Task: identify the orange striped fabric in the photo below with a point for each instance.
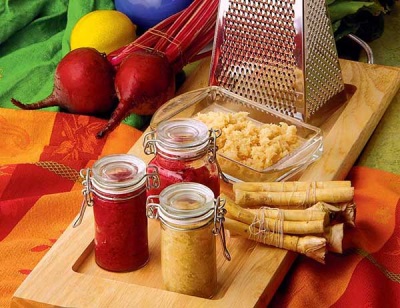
(41, 154)
(368, 273)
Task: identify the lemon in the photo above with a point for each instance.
(105, 30)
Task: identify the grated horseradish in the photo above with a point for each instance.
(256, 146)
(188, 261)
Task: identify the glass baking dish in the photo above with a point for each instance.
(218, 99)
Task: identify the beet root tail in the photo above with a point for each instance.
(119, 114)
(49, 101)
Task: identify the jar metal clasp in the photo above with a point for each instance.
(212, 143)
(152, 207)
(87, 195)
(219, 230)
(152, 177)
(149, 143)
(213, 148)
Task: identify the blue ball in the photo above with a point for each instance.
(147, 13)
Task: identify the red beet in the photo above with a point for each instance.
(83, 84)
(146, 68)
(143, 82)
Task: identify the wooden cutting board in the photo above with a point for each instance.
(67, 276)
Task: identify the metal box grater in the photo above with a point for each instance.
(279, 53)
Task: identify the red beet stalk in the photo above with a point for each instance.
(147, 40)
(191, 31)
(174, 35)
(178, 24)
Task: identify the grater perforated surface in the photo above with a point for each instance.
(279, 53)
(323, 74)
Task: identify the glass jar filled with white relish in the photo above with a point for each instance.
(190, 219)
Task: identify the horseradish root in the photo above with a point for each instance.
(269, 219)
(288, 186)
(332, 233)
(342, 212)
(334, 237)
(292, 194)
(293, 199)
(311, 246)
(293, 215)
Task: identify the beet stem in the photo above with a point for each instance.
(174, 35)
(147, 39)
(50, 101)
(191, 33)
(119, 114)
(177, 25)
(192, 53)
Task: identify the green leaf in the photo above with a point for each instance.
(137, 121)
(339, 10)
(336, 25)
(329, 2)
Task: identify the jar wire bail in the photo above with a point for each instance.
(219, 230)
(152, 177)
(149, 141)
(87, 195)
(152, 207)
(214, 134)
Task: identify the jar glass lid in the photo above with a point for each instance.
(186, 201)
(119, 173)
(182, 133)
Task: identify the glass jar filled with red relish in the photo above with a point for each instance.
(116, 187)
(184, 151)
